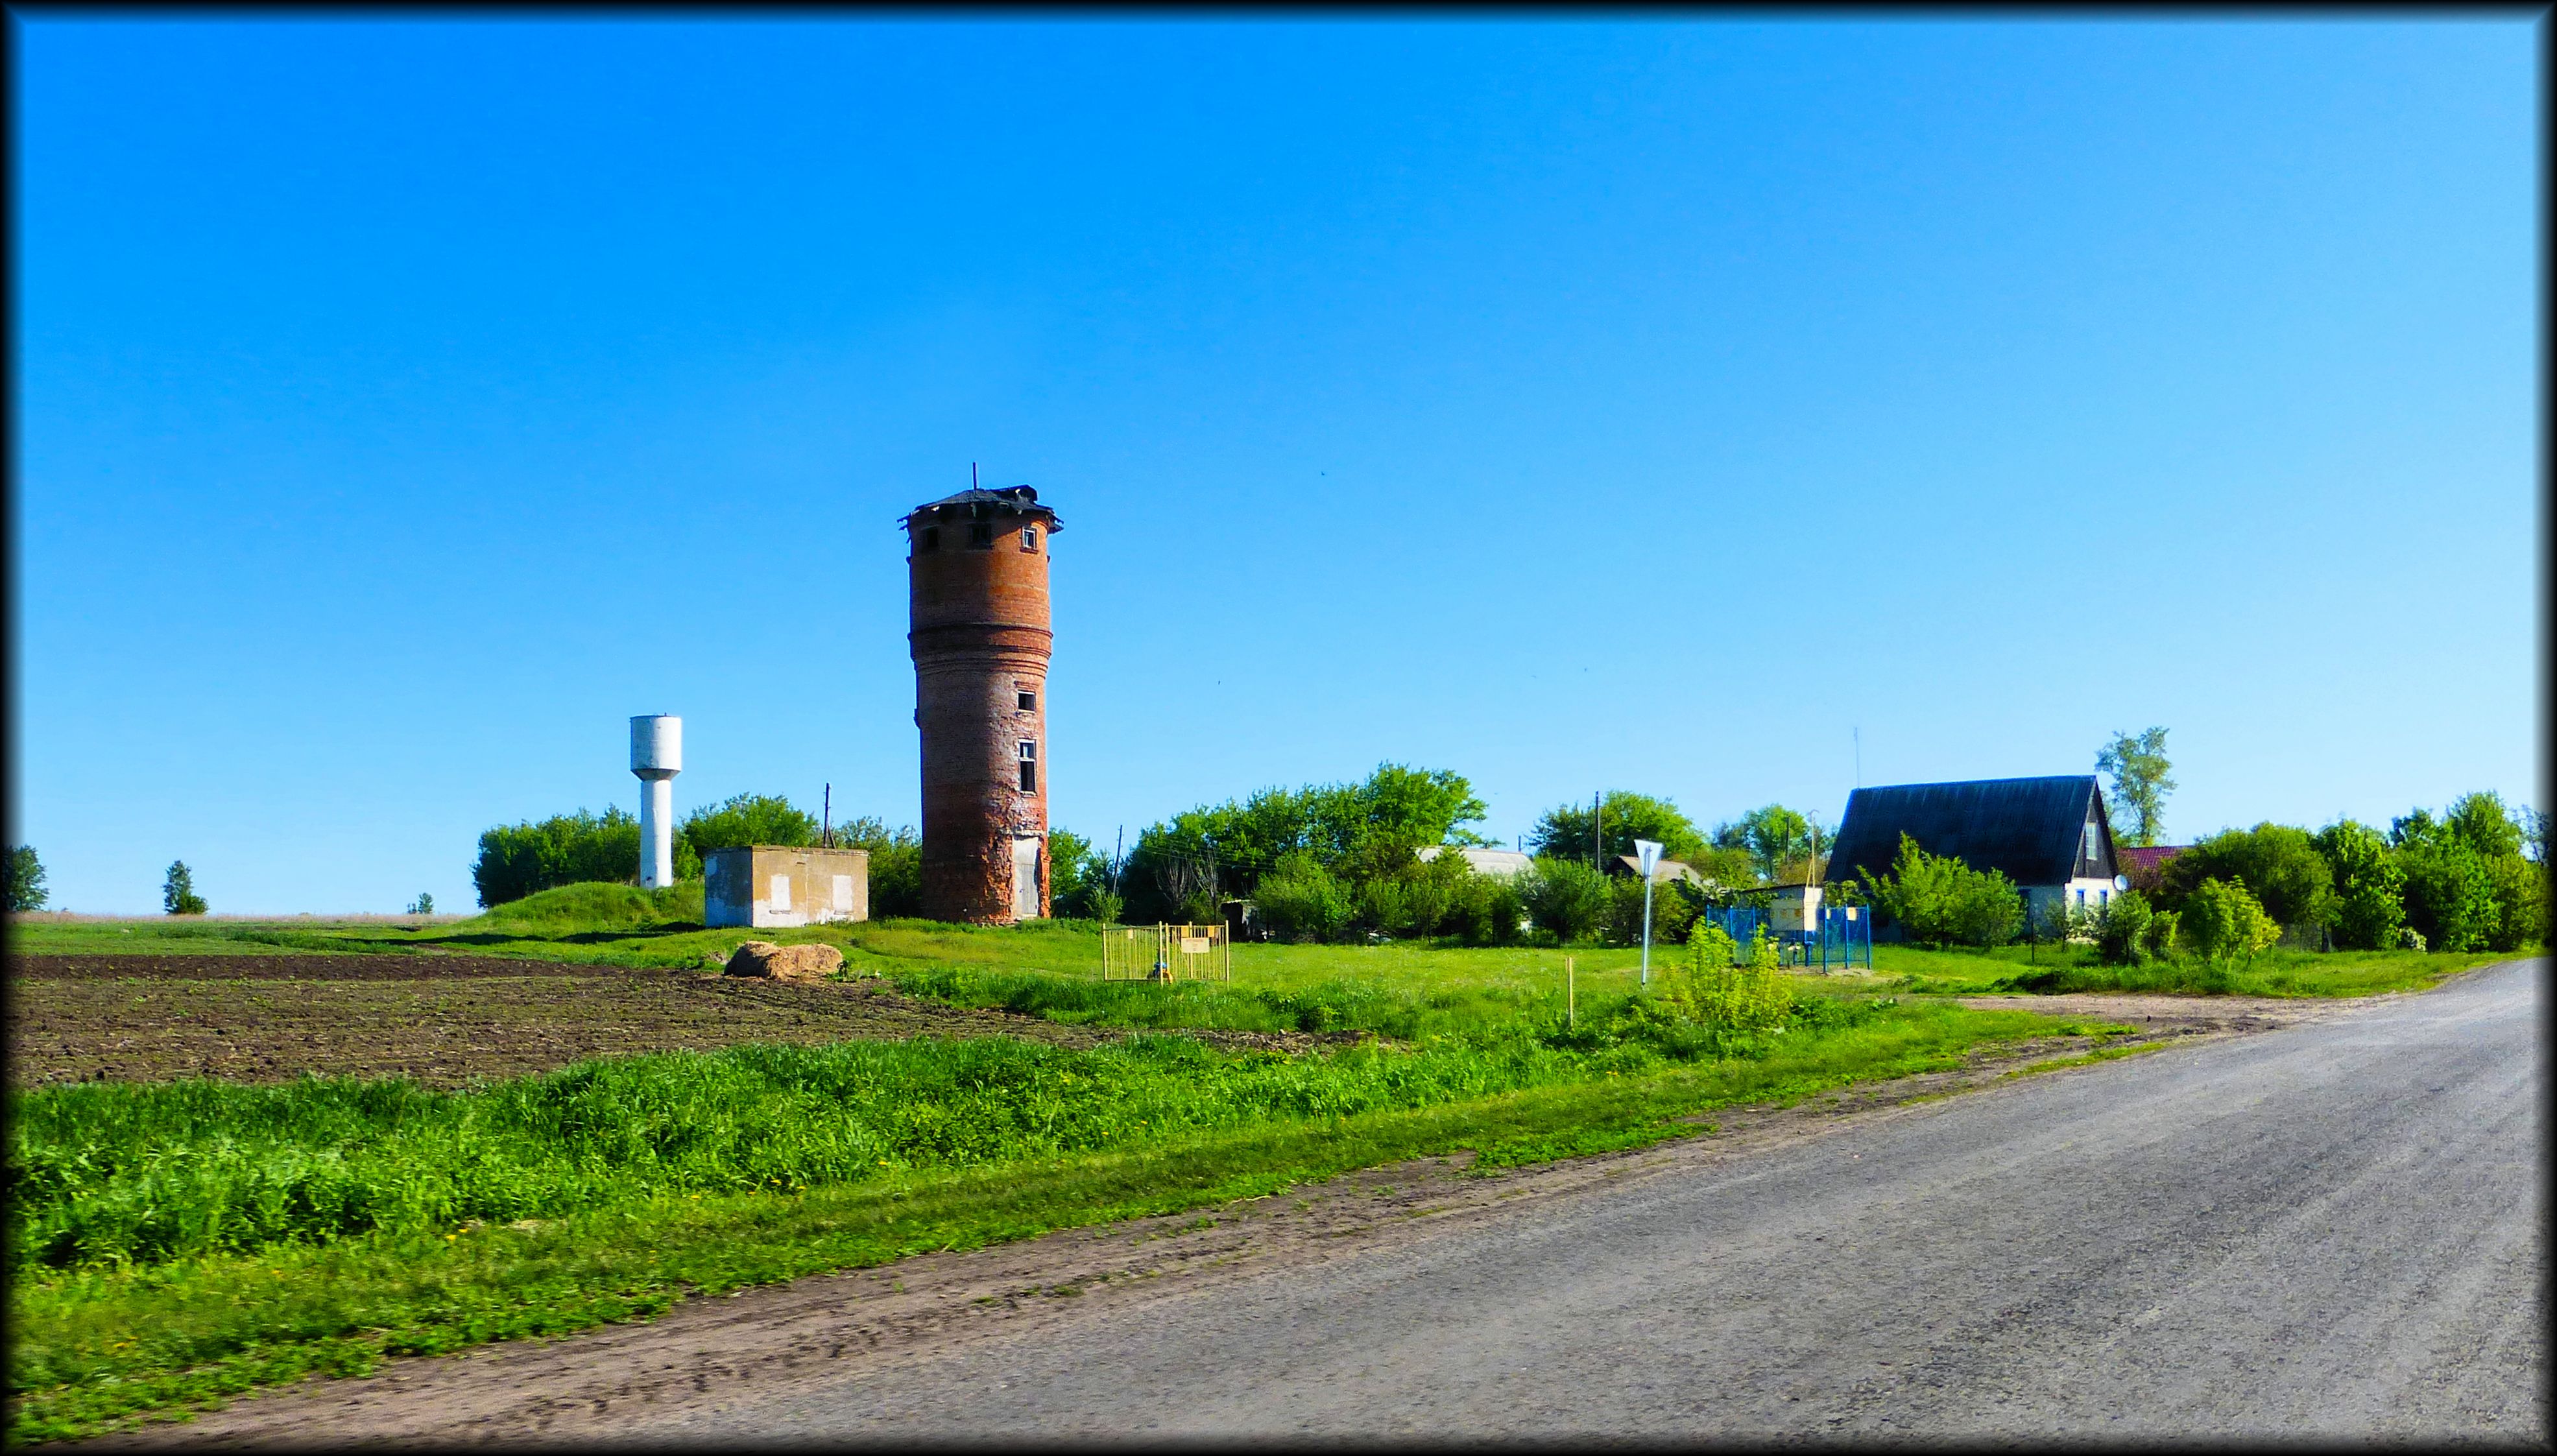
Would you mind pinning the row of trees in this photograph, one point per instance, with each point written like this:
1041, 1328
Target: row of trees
2474, 879
1374, 858
519, 860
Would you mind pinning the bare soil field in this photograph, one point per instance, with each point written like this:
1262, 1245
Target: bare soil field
446, 1021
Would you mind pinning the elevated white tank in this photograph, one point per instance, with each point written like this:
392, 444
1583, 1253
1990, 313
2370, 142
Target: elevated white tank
656, 755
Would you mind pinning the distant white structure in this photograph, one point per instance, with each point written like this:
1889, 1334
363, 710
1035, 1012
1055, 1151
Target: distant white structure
656, 755
1498, 863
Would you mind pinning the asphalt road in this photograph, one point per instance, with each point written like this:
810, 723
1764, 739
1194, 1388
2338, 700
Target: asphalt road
2332, 1230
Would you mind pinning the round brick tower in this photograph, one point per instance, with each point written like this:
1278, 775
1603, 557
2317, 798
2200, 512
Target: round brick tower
977, 569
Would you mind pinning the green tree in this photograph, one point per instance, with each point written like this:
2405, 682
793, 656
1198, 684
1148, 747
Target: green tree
2224, 921
2520, 903
1672, 912
423, 905
2122, 928
2450, 886
1574, 831
2369, 904
519, 860
1485, 909
2481, 821
26, 878
1299, 900
746, 819
177, 893
2280, 864
1078, 877
1779, 839
896, 865
2136, 806
1566, 898
1201, 855
1939, 900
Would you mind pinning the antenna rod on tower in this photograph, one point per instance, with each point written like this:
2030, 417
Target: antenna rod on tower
972, 475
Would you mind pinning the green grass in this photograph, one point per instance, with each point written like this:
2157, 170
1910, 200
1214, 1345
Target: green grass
96, 1345
2274, 972
624, 926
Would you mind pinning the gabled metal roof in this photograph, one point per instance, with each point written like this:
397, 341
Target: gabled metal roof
2027, 829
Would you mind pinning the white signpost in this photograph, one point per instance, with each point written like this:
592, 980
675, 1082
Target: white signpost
1647, 853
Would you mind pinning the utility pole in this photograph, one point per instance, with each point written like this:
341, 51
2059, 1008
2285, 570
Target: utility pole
826, 831
1599, 832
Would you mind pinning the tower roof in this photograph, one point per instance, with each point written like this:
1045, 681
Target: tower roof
977, 501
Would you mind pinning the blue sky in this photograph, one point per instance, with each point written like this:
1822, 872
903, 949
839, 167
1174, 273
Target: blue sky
1665, 405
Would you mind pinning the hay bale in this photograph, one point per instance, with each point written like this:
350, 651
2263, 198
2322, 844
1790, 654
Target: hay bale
785, 963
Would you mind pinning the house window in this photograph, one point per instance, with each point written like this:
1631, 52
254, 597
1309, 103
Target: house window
930, 540
1029, 766
2094, 845
1029, 538
2104, 897
981, 537
1030, 701
2082, 895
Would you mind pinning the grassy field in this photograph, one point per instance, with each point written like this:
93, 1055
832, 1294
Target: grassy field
172, 1241
266, 1234
2274, 972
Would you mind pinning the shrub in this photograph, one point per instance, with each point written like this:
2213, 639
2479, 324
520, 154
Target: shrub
2369, 885
2450, 892
2409, 938
26, 878
2166, 927
2281, 865
1301, 901
2224, 922
746, 819
177, 893
2520, 903
1672, 912
1939, 900
1706, 988
519, 860
897, 867
1486, 910
1709, 945
2121, 929
1566, 898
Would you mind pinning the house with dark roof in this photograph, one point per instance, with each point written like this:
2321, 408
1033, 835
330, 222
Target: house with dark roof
2048, 835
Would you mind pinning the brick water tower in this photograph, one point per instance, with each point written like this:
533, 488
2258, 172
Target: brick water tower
977, 569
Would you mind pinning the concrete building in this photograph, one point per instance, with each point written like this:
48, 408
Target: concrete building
2049, 835
776, 884
977, 572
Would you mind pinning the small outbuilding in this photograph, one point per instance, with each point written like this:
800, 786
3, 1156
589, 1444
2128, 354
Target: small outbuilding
2048, 835
771, 885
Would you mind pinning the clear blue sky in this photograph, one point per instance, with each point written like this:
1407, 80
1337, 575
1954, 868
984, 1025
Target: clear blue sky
1651, 405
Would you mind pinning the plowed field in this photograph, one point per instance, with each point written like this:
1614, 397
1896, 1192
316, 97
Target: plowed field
446, 1021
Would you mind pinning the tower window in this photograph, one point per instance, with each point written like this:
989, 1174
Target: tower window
980, 536
1029, 766
1029, 538
1029, 702
929, 539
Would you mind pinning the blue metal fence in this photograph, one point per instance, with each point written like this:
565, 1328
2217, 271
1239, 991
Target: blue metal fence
1841, 936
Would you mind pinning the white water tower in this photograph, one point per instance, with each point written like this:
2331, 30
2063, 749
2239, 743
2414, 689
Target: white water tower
656, 755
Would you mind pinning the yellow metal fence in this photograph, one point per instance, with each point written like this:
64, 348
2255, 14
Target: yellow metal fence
1166, 952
